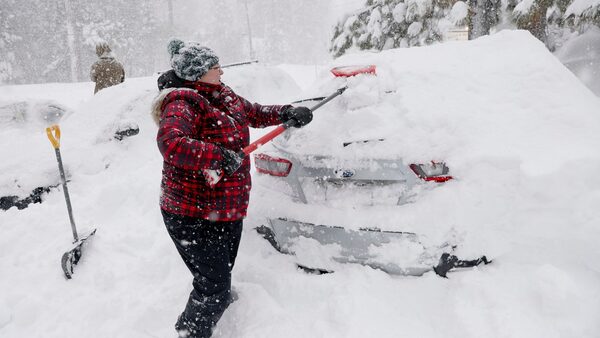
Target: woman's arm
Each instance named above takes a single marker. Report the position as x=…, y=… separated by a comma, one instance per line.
x=260, y=116
x=176, y=139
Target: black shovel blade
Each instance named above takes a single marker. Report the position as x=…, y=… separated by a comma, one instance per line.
x=313, y=271
x=71, y=258
x=448, y=262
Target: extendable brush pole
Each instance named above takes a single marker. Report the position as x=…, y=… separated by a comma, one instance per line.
x=214, y=176
x=283, y=127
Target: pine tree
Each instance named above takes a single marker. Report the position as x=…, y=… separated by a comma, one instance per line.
x=532, y=17
x=581, y=16
x=385, y=24
x=554, y=21
x=483, y=15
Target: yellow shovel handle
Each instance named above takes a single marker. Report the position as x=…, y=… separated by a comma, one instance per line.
x=53, y=133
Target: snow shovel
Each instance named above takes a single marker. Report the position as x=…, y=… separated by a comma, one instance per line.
x=214, y=176
x=72, y=256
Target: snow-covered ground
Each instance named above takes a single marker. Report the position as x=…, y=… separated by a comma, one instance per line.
x=520, y=132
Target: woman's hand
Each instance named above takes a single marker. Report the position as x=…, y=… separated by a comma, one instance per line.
x=301, y=115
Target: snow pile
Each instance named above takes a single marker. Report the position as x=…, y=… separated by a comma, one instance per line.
x=455, y=104
x=482, y=106
x=519, y=132
x=24, y=113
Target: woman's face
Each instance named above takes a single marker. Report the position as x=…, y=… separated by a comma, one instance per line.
x=213, y=76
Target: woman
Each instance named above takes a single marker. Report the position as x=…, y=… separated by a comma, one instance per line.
x=203, y=125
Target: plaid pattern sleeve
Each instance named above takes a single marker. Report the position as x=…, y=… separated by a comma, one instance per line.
x=193, y=124
x=176, y=138
x=260, y=116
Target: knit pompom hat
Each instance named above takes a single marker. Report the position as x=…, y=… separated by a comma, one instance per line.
x=191, y=60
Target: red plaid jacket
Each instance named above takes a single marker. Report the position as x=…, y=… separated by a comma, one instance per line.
x=193, y=125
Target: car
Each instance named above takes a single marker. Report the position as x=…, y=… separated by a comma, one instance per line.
x=353, y=167
x=26, y=177
x=19, y=120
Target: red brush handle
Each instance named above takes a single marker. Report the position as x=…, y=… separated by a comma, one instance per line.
x=287, y=124
x=267, y=137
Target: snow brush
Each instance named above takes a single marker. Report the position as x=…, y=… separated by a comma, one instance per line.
x=71, y=257
x=213, y=176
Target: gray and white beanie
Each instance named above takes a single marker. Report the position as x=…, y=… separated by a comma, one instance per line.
x=191, y=60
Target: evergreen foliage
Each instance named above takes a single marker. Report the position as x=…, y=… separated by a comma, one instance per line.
x=581, y=14
x=483, y=15
x=383, y=24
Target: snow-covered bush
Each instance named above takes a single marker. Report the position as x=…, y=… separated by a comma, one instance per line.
x=555, y=21
x=583, y=13
x=385, y=24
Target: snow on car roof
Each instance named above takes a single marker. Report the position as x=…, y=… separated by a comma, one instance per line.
x=502, y=96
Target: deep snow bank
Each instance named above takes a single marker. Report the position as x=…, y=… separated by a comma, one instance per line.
x=526, y=194
x=502, y=111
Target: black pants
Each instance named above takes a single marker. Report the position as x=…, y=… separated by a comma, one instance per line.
x=209, y=250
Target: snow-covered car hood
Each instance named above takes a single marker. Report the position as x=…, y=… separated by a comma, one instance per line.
x=24, y=121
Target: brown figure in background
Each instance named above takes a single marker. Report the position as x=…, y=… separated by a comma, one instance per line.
x=107, y=71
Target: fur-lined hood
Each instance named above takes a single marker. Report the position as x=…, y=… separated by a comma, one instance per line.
x=158, y=102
